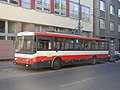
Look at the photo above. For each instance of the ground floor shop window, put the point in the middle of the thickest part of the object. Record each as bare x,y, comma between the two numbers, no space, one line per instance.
24,27
11,38
2,37
11,27
2,26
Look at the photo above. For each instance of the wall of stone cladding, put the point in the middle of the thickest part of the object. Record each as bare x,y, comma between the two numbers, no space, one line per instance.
7,49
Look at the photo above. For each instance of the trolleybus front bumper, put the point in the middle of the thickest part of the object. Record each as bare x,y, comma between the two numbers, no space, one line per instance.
41,64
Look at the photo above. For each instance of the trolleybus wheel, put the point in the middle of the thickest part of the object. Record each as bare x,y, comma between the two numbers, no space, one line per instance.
57,64
94,60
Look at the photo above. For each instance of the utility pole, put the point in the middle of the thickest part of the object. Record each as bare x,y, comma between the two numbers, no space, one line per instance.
79,23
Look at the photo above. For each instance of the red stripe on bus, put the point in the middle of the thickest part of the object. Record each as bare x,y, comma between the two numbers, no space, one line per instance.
66,57
68,36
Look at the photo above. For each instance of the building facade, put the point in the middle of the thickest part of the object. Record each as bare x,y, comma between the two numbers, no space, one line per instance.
107,21
44,15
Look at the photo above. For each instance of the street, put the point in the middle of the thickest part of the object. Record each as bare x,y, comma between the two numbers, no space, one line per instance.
83,77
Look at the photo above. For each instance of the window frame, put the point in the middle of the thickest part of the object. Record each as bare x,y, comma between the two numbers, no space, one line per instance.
101,24
42,6
45,41
112,28
87,14
112,9
102,6
24,3
73,13
9,2
59,11
2,28
119,12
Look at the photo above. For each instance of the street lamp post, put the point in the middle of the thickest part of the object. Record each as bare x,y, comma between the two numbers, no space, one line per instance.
79,23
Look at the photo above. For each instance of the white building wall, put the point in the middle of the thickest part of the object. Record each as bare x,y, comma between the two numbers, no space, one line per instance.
31,16
14,13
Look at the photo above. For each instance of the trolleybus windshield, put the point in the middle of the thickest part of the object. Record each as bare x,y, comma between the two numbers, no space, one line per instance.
25,44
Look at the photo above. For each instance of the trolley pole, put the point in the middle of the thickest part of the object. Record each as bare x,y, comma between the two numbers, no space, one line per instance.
79,23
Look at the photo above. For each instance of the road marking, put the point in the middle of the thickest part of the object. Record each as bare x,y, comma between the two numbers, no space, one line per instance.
81,81
7,69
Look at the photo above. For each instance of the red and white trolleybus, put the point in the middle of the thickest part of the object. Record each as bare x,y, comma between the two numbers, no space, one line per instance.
39,50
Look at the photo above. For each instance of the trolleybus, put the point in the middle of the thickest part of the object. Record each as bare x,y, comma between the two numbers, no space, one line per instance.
40,50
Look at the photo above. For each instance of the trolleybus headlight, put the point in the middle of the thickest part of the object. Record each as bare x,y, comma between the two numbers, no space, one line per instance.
27,60
15,59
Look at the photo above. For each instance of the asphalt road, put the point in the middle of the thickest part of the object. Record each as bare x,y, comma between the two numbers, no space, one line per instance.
83,77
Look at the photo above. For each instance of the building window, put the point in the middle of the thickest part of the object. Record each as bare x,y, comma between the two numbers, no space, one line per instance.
118,27
11,27
2,37
41,28
112,26
112,9
26,3
102,23
118,12
102,5
57,29
74,10
43,5
10,38
25,27
44,28
3,0
37,28
2,26
60,7
11,1
85,14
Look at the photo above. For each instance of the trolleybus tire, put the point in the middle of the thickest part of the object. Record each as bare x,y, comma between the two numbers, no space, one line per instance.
94,60
57,64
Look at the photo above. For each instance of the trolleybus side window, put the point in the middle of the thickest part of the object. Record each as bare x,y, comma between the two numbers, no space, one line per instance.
97,45
82,46
69,44
44,43
102,45
87,44
106,45
59,43
94,45
77,44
